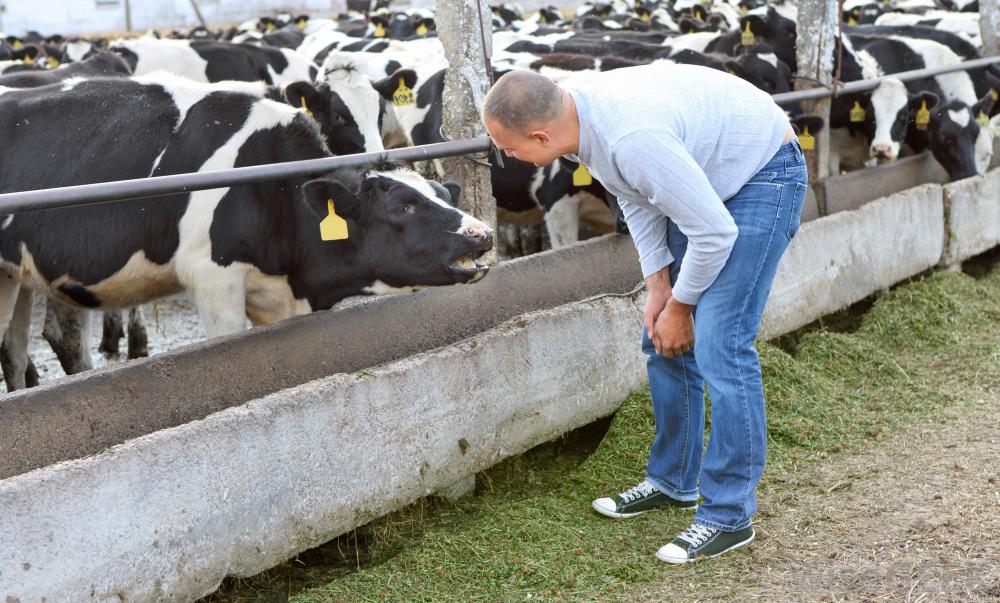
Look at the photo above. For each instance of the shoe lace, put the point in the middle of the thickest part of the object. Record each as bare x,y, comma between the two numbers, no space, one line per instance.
636,492
697,534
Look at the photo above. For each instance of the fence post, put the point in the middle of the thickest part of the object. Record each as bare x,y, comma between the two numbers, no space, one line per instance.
466,83
989,26
817,28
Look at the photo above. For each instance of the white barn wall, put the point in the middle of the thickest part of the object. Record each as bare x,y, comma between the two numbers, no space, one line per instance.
94,16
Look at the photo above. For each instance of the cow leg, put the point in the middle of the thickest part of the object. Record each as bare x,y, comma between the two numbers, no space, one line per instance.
14,350
563,222
220,296
138,339
67,330
111,333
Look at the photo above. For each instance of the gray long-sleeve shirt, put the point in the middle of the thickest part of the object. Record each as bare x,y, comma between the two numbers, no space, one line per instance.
675,141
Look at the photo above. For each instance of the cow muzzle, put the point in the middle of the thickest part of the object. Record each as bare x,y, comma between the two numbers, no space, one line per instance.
881,151
468,267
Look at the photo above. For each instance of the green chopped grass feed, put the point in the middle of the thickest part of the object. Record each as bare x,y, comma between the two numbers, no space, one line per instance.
528,534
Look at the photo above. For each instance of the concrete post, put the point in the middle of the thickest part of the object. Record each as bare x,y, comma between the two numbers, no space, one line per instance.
463,26
128,16
817,27
989,26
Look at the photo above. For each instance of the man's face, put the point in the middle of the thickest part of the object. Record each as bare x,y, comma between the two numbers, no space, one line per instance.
535,147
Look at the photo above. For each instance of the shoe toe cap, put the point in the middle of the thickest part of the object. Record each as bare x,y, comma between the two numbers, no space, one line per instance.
605,506
671,553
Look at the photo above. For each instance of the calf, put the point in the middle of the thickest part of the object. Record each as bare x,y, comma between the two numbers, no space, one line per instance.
246,251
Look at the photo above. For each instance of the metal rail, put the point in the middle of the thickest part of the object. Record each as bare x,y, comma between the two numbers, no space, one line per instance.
104,192
865,85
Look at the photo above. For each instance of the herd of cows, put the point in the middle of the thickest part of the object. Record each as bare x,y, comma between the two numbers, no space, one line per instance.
77,111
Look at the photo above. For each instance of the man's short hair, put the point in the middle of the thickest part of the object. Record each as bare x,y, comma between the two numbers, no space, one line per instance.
523,100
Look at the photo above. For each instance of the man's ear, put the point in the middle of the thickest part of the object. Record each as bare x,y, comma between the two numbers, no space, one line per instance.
542,136
388,86
316,194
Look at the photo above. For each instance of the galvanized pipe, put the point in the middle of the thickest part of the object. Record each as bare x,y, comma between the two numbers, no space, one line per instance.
865,85
103,192
121,190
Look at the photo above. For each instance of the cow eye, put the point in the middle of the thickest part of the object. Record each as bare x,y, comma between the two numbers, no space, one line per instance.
407,207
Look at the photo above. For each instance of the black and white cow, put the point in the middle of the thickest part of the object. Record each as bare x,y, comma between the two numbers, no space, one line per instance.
898,113
251,251
212,61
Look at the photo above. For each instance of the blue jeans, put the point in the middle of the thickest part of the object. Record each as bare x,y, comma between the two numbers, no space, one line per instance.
726,320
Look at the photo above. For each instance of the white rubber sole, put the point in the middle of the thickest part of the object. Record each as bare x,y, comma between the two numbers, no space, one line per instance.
679,561
613,515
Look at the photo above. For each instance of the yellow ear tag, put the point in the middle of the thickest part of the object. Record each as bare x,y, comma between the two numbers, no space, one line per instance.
857,113
747,38
581,177
29,60
305,108
421,30
18,44
852,21
744,8
301,23
271,27
403,95
379,31
923,116
806,140
53,63
645,17
983,119
994,94
333,227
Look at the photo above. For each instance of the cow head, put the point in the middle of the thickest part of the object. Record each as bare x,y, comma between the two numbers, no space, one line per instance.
402,231
759,65
349,109
771,27
959,141
889,113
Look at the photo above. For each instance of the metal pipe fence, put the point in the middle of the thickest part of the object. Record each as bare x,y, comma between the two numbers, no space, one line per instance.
104,192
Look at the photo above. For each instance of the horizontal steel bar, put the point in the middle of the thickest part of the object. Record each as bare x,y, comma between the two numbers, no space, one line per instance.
103,192
865,85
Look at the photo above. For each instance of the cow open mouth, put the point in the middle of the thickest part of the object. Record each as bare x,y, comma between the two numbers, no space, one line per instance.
469,266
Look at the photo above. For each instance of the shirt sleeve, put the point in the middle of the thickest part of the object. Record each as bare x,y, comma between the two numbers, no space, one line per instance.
649,233
661,170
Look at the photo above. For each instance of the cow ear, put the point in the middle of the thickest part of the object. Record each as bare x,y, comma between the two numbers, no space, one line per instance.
689,25
984,106
305,96
917,100
318,193
388,86
28,54
813,122
454,191
735,68
993,80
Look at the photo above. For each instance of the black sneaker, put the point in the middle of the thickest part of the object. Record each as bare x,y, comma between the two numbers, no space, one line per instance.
701,542
637,500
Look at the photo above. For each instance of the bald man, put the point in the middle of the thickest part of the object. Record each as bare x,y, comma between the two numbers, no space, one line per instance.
711,180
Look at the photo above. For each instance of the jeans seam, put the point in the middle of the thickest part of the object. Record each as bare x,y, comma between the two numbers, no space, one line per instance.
735,339
687,419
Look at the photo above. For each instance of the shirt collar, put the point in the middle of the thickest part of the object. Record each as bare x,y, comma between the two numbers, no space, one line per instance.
584,151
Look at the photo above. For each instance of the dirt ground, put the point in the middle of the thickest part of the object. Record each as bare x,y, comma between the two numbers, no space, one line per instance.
915,518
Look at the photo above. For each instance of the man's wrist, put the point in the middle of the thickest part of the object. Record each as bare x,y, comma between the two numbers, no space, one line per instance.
679,306
659,281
